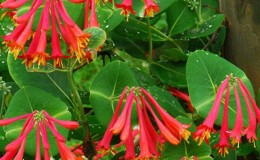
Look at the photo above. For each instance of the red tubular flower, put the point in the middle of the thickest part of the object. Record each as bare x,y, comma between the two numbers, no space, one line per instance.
87,8
178,129
127,7
223,143
121,121
254,105
16,40
55,43
93,17
104,144
150,8
183,96
250,131
39,120
12,4
236,133
129,147
4,122
170,137
144,135
204,130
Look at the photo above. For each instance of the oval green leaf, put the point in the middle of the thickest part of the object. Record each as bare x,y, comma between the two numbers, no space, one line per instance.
51,82
106,89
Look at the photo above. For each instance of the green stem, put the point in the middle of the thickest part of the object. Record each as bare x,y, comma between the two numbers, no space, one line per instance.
199,12
168,38
150,57
2,106
79,109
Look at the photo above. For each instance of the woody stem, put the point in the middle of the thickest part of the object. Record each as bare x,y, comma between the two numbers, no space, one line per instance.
79,109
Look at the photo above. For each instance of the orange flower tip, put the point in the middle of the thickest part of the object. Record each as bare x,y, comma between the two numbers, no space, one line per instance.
126,9
235,141
186,134
149,10
252,140
223,150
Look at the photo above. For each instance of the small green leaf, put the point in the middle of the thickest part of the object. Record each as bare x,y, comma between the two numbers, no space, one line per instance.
27,100
98,37
172,74
206,28
107,87
205,72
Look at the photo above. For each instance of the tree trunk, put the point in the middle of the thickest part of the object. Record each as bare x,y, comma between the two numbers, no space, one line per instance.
242,46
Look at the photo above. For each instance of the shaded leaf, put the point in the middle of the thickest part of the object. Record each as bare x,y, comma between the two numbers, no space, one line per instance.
205,28
172,74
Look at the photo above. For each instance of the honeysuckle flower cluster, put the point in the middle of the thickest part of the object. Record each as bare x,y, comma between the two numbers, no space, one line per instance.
40,120
53,18
204,130
150,138
127,8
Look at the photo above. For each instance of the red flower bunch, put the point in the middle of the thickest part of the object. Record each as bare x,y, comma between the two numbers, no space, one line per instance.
41,121
55,19
204,130
169,129
127,7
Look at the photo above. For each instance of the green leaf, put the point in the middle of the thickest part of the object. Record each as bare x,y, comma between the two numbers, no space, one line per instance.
107,87
108,19
135,48
3,62
98,37
136,29
3,140
167,101
172,74
27,100
209,8
172,54
258,142
145,80
205,28
219,40
180,17
53,83
205,72
187,150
